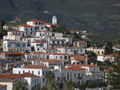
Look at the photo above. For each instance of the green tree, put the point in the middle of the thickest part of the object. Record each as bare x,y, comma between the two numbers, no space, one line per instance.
21,86
50,79
114,76
2,32
60,29
2,24
44,88
92,57
83,85
108,48
91,84
68,85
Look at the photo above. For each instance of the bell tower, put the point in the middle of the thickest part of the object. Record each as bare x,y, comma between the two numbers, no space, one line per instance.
54,20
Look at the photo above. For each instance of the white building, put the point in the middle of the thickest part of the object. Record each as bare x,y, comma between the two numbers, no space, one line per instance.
98,51
81,44
60,56
75,73
28,29
92,72
39,25
71,50
38,70
33,81
10,84
79,59
110,57
12,45
3,87
42,55
52,63
14,35
39,46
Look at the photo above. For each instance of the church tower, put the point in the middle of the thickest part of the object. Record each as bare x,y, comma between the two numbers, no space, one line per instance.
54,20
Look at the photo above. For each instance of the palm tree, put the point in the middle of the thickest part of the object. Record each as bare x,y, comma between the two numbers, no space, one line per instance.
68,85
21,86
50,79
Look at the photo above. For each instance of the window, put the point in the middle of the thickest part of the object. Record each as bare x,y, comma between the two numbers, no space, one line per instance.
42,27
65,57
23,45
38,72
60,57
43,79
43,73
38,49
32,72
19,72
74,75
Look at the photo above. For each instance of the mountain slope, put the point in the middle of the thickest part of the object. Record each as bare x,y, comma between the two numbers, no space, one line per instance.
99,17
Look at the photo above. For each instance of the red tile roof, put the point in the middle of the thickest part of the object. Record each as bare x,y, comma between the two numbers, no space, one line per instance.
36,21
110,55
13,53
2,58
29,75
82,65
15,31
52,60
79,57
36,59
1,42
25,26
74,31
71,47
3,86
39,53
10,76
75,68
36,67
51,24
43,31
39,41
81,41
58,54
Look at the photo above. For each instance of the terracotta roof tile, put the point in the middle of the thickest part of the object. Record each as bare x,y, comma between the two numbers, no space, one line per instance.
29,75
36,21
25,26
3,86
15,53
81,41
15,31
10,76
39,41
43,31
52,60
36,67
111,55
58,54
39,53
82,65
79,57
75,68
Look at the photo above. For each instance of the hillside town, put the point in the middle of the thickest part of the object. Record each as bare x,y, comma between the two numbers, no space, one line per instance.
32,52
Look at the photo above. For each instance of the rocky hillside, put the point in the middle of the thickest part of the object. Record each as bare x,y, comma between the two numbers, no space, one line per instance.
99,17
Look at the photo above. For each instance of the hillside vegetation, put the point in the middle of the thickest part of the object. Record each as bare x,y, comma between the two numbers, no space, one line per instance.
101,18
